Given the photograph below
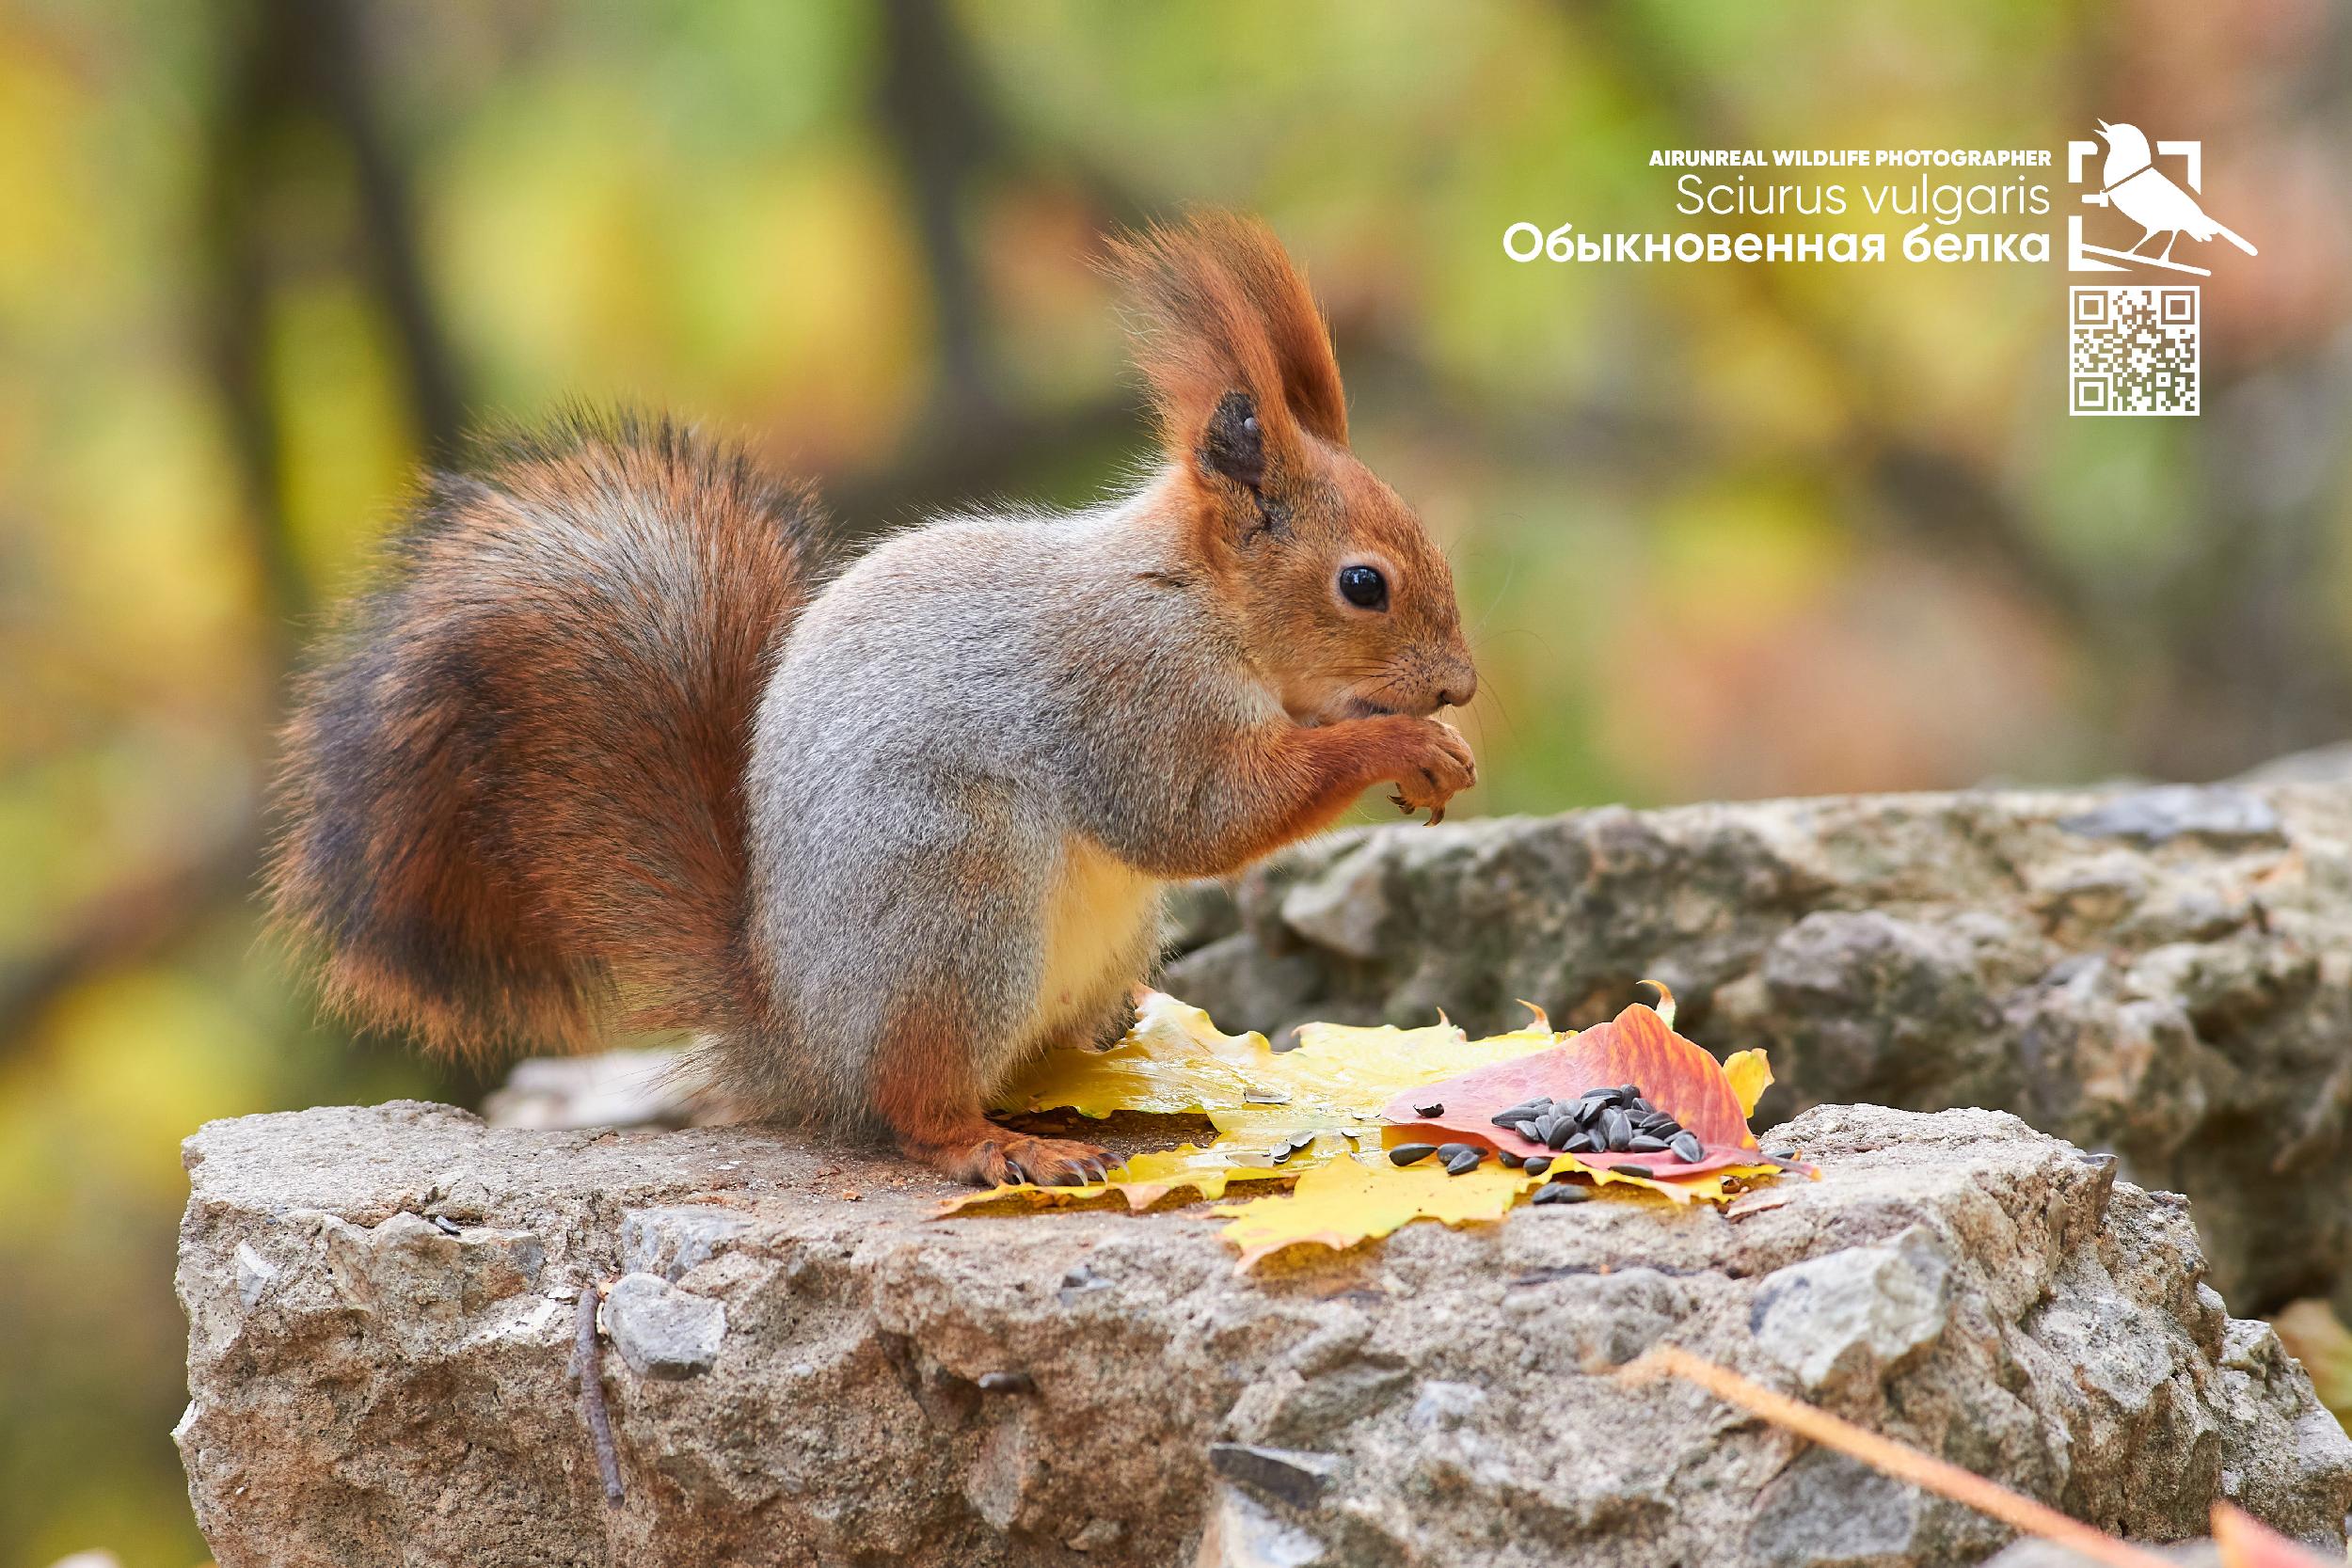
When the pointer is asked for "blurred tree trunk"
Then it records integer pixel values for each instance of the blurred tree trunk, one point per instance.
(290, 70)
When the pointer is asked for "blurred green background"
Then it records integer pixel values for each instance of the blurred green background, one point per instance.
(1721, 530)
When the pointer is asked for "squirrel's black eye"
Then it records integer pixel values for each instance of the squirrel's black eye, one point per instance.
(1364, 587)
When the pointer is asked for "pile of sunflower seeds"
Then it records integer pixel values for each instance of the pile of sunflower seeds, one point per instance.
(1602, 1121)
(1614, 1121)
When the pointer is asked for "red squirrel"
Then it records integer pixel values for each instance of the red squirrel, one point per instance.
(614, 743)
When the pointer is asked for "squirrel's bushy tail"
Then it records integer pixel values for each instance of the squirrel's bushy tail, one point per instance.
(511, 799)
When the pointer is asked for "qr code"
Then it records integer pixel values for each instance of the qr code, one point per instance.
(2132, 351)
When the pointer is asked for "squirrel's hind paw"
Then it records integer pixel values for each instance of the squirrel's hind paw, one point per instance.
(1012, 1158)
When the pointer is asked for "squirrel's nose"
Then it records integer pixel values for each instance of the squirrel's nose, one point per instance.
(1460, 692)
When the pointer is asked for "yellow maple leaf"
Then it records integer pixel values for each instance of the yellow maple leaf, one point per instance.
(1141, 1182)
(1751, 1075)
(1315, 1114)
(1329, 1088)
(1338, 1075)
(1349, 1200)
(1357, 1070)
(1173, 1061)
(1715, 1186)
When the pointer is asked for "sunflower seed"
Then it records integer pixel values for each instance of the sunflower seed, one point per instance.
(1430, 1108)
(1527, 1130)
(1411, 1154)
(1687, 1145)
(1535, 1164)
(1643, 1143)
(1447, 1152)
(1560, 1134)
(1508, 1158)
(1462, 1164)
(1545, 1125)
(1784, 1153)
(1616, 1130)
(1581, 1143)
(1560, 1192)
(1643, 1171)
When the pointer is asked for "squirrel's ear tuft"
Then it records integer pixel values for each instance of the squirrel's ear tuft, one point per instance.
(1220, 311)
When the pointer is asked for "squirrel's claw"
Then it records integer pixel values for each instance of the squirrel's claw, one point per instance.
(1437, 814)
(1021, 1161)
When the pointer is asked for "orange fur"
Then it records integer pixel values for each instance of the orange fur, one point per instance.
(1299, 781)
(512, 800)
(1221, 312)
(923, 1092)
(1220, 308)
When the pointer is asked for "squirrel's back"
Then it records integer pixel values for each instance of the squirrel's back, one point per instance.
(512, 800)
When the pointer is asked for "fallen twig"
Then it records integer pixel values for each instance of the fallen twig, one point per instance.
(588, 1366)
(1901, 1459)
(2245, 1542)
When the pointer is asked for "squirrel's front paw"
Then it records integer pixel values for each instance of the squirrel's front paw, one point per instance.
(1437, 766)
(1010, 1157)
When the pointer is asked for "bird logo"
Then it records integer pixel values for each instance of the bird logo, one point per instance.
(2132, 185)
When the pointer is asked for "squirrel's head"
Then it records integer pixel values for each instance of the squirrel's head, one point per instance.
(1337, 593)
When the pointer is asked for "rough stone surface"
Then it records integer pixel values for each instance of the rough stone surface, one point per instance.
(669, 1241)
(2162, 971)
(376, 1385)
(1855, 1314)
(661, 1331)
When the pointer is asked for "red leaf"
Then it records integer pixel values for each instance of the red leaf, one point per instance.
(1679, 1078)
